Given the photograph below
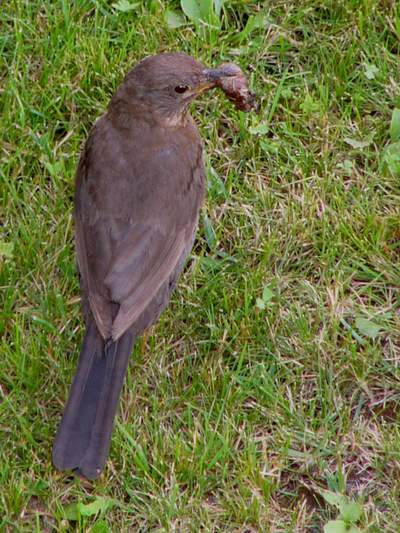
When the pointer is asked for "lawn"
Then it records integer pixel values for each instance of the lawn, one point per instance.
(266, 399)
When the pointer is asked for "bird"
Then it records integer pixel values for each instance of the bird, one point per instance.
(140, 184)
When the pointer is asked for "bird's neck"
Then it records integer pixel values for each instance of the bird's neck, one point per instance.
(126, 111)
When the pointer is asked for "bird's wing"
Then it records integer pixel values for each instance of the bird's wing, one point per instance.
(89, 254)
(143, 262)
(126, 264)
(126, 255)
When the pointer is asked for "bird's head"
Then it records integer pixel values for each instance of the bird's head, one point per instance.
(167, 83)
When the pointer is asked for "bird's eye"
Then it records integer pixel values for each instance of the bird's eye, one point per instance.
(181, 88)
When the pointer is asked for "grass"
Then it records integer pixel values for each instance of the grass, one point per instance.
(243, 406)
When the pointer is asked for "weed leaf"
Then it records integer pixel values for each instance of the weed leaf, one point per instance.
(368, 327)
(395, 125)
(99, 505)
(354, 143)
(124, 6)
(218, 4)
(350, 512)
(174, 19)
(192, 10)
(333, 498)
(335, 526)
(6, 249)
(100, 527)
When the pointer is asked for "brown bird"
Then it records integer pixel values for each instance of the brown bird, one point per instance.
(139, 189)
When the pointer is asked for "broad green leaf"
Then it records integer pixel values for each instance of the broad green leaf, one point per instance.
(335, 526)
(6, 249)
(206, 9)
(309, 105)
(350, 512)
(238, 51)
(71, 512)
(99, 505)
(260, 129)
(354, 143)
(260, 304)
(370, 71)
(124, 6)
(352, 331)
(212, 264)
(55, 169)
(174, 19)
(272, 147)
(367, 327)
(347, 166)
(39, 486)
(391, 159)
(267, 295)
(218, 5)
(333, 498)
(99, 527)
(395, 125)
(191, 9)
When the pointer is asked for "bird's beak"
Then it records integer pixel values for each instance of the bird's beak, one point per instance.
(230, 78)
(202, 87)
(214, 75)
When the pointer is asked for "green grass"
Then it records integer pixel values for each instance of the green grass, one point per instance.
(239, 412)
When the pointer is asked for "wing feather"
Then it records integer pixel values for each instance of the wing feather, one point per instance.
(131, 238)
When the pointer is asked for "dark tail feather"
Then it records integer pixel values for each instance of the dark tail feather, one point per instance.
(83, 439)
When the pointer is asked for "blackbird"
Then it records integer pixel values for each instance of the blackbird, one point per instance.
(139, 188)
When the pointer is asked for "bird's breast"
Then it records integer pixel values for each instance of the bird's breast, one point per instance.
(144, 170)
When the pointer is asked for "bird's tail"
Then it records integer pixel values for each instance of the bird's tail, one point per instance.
(83, 439)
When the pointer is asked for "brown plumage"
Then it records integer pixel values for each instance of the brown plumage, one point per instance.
(139, 189)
